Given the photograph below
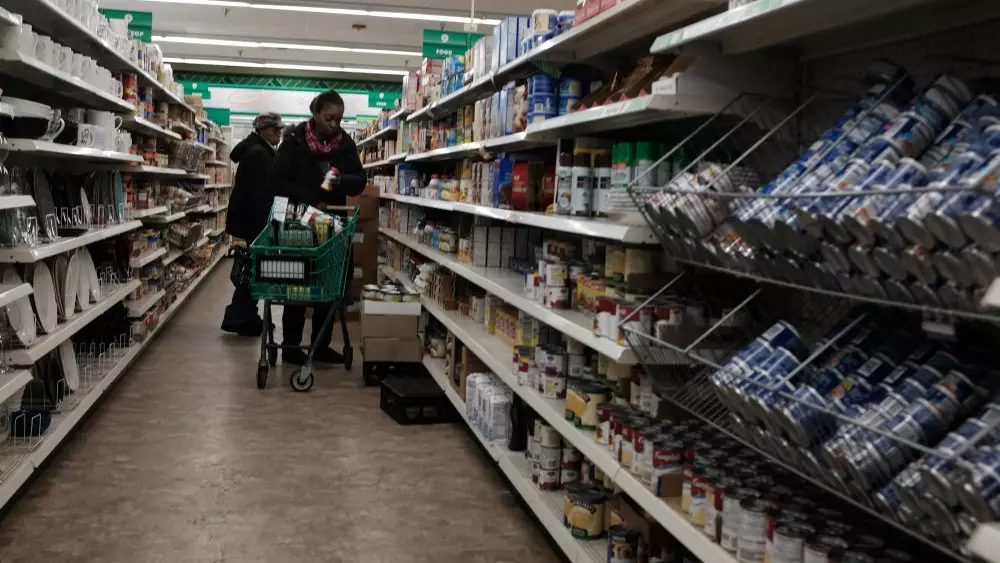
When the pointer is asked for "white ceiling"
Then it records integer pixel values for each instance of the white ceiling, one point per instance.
(242, 23)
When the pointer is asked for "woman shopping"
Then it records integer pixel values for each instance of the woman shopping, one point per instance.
(317, 163)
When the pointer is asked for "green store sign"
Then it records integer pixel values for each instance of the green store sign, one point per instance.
(197, 88)
(443, 44)
(383, 100)
(140, 24)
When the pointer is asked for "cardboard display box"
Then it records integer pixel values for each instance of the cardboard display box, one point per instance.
(389, 326)
(391, 349)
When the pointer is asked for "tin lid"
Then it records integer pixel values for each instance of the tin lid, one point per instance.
(623, 530)
(826, 543)
(797, 530)
(741, 494)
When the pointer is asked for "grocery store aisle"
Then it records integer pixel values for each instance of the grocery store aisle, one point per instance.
(186, 461)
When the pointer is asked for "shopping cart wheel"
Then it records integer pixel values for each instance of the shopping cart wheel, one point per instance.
(302, 380)
(272, 356)
(348, 357)
(262, 376)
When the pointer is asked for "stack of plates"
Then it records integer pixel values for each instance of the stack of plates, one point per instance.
(20, 315)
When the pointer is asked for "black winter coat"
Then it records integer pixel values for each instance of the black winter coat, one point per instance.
(250, 203)
(298, 173)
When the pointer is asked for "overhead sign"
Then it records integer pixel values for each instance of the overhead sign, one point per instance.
(197, 88)
(140, 24)
(383, 100)
(443, 44)
(221, 116)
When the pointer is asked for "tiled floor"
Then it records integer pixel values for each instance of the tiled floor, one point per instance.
(187, 462)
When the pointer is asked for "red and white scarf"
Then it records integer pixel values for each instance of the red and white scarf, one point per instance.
(318, 146)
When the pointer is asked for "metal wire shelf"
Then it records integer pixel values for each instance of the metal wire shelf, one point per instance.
(894, 204)
(840, 395)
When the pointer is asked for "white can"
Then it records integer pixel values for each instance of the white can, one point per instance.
(556, 297)
(555, 275)
(550, 457)
(553, 385)
(547, 437)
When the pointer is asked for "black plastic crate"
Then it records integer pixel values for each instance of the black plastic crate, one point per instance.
(415, 400)
(373, 373)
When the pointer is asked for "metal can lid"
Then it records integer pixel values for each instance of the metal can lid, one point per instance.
(798, 530)
(826, 543)
(623, 531)
(742, 493)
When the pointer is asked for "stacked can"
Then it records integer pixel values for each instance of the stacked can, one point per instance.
(542, 99)
(570, 92)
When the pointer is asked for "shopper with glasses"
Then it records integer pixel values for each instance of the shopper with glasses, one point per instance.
(249, 210)
(317, 164)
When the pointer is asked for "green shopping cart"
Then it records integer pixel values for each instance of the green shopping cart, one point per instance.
(299, 271)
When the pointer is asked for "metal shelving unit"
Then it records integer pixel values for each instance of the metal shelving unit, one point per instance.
(49, 84)
(140, 125)
(42, 251)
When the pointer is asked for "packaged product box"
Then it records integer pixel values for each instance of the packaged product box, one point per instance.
(470, 364)
(528, 330)
(392, 350)
(388, 325)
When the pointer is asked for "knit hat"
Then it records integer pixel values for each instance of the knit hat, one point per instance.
(265, 120)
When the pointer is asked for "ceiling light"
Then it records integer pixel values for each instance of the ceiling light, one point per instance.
(284, 66)
(336, 11)
(269, 45)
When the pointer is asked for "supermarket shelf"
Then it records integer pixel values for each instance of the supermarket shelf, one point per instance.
(15, 201)
(509, 286)
(203, 177)
(507, 143)
(163, 219)
(11, 293)
(985, 542)
(376, 164)
(403, 112)
(386, 132)
(603, 34)
(136, 309)
(42, 251)
(181, 126)
(145, 127)
(546, 505)
(172, 256)
(49, 342)
(153, 171)
(147, 258)
(56, 87)
(201, 242)
(216, 232)
(64, 423)
(30, 147)
(220, 208)
(643, 110)
(204, 208)
(767, 23)
(398, 157)
(217, 186)
(11, 383)
(141, 213)
(202, 146)
(496, 355)
(599, 228)
(215, 163)
(45, 17)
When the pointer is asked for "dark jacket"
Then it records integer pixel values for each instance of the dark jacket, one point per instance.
(298, 173)
(250, 203)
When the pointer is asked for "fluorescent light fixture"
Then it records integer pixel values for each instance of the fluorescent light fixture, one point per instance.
(336, 11)
(284, 66)
(288, 46)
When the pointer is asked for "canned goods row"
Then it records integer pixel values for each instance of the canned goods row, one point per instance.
(854, 416)
(945, 140)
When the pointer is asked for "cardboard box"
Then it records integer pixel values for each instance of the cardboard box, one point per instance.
(654, 534)
(391, 350)
(389, 326)
(390, 309)
(470, 365)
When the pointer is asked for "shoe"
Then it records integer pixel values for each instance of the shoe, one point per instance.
(329, 356)
(246, 328)
(294, 357)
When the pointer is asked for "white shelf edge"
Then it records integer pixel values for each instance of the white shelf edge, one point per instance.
(136, 309)
(215, 163)
(10, 294)
(147, 258)
(216, 232)
(216, 186)
(377, 135)
(48, 342)
(164, 219)
(34, 254)
(478, 340)
(598, 228)
(28, 146)
(153, 171)
(12, 383)
(16, 201)
(134, 214)
(145, 127)
(579, 329)
(67, 84)
(377, 164)
(172, 256)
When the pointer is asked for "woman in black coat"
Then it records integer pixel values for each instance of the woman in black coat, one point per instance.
(307, 154)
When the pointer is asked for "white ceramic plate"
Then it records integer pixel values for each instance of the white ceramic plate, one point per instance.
(45, 297)
(70, 369)
(88, 213)
(22, 320)
(69, 288)
(59, 268)
(88, 265)
(82, 282)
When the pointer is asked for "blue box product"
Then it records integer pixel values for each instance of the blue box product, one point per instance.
(495, 46)
(503, 175)
(405, 176)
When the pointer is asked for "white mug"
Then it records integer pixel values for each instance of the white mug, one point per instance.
(104, 119)
(42, 43)
(87, 136)
(10, 37)
(56, 127)
(55, 52)
(79, 60)
(66, 59)
(124, 141)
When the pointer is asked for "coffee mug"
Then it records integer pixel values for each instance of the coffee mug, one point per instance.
(78, 64)
(56, 126)
(86, 136)
(42, 43)
(54, 54)
(76, 115)
(124, 141)
(104, 119)
(10, 37)
(66, 59)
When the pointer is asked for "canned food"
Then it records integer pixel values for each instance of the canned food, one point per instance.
(667, 461)
(586, 514)
(548, 479)
(732, 516)
(547, 436)
(549, 457)
(623, 544)
(714, 502)
(555, 275)
(789, 541)
(752, 543)
(823, 548)
(582, 399)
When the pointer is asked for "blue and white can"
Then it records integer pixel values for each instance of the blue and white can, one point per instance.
(913, 133)
(980, 495)
(881, 147)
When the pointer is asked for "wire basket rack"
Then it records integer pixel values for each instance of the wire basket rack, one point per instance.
(890, 199)
(185, 155)
(852, 397)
